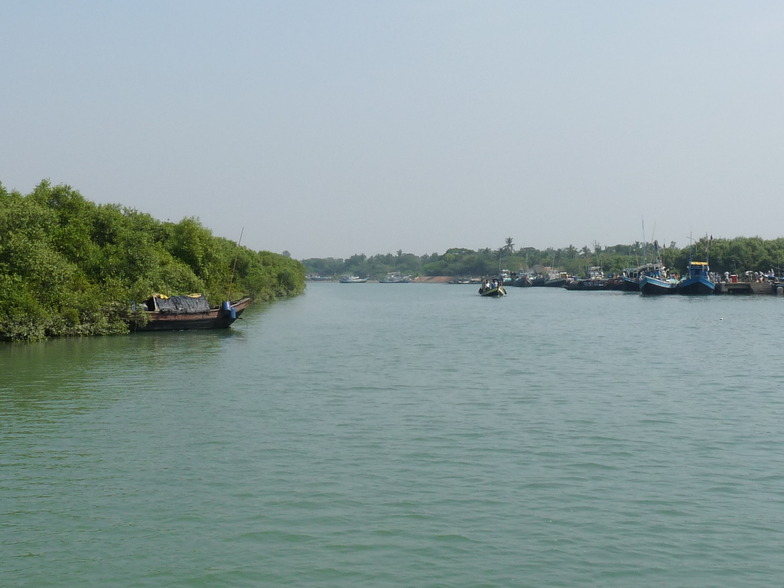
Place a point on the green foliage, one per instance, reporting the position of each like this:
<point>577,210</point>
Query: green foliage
<point>734,255</point>
<point>72,267</point>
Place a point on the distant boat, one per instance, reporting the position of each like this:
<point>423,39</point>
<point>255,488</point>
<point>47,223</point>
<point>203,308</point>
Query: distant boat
<point>395,278</point>
<point>631,279</point>
<point>521,281</point>
<point>180,313</point>
<point>594,281</point>
<point>352,280</point>
<point>653,280</point>
<point>696,282</point>
<point>587,284</point>
<point>554,280</point>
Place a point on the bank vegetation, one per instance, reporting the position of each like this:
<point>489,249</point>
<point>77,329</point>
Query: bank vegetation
<point>71,267</point>
<point>736,256</point>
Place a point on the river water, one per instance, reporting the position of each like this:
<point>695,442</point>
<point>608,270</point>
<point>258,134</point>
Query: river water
<point>387,435</point>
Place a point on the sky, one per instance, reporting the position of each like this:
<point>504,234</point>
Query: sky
<point>340,127</point>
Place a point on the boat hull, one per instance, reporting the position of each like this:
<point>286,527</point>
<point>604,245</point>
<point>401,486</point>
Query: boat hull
<point>696,287</point>
<point>493,292</point>
<point>586,285</point>
<point>554,283</point>
<point>630,285</point>
<point>697,282</point>
<point>215,318</point>
<point>651,286</point>
<point>521,282</point>
<point>353,280</point>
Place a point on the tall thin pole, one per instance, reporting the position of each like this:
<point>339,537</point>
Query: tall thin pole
<point>234,265</point>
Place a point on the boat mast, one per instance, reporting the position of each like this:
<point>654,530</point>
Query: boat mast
<point>234,264</point>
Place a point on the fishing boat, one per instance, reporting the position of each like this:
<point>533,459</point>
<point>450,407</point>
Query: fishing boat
<point>631,279</point>
<point>653,280</point>
<point>632,276</point>
<point>587,284</point>
<point>696,282</point>
<point>521,281</point>
<point>180,313</point>
<point>614,283</point>
<point>506,278</point>
<point>352,280</point>
<point>657,284</point>
<point>395,278</point>
<point>594,281</point>
<point>556,280</point>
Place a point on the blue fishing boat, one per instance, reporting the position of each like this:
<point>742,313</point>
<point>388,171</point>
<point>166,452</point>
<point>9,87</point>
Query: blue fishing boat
<point>657,285</point>
<point>653,281</point>
<point>697,281</point>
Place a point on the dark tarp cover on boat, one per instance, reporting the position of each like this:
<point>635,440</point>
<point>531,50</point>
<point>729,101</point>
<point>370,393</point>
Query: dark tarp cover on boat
<point>180,304</point>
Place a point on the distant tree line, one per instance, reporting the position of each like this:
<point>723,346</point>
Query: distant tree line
<point>72,267</point>
<point>735,256</point>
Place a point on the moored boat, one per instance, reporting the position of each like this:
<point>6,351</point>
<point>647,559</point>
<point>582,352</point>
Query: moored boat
<point>631,280</point>
<point>656,285</point>
<point>352,280</point>
<point>587,284</point>
<point>697,281</point>
<point>395,278</point>
<point>180,313</point>
<point>653,280</point>
<point>521,281</point>
<point>594,281</point>
<point>556,280</point>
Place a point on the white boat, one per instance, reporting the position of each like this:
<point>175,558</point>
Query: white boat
<point>395,278</point>
<point>352,280</point>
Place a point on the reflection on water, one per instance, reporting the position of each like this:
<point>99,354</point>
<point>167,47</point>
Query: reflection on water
<point>82,373</point>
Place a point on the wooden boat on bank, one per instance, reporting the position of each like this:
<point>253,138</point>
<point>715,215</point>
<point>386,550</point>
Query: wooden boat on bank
<point>180,313</point>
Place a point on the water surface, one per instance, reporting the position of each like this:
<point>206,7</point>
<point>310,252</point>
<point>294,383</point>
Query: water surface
<point>404,435</point>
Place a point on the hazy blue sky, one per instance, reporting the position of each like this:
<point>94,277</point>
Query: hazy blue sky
<point>328,128</point>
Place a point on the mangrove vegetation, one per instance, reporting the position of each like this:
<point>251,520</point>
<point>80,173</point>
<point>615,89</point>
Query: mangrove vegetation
<point>735,256</point>
<point>71,267</point>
